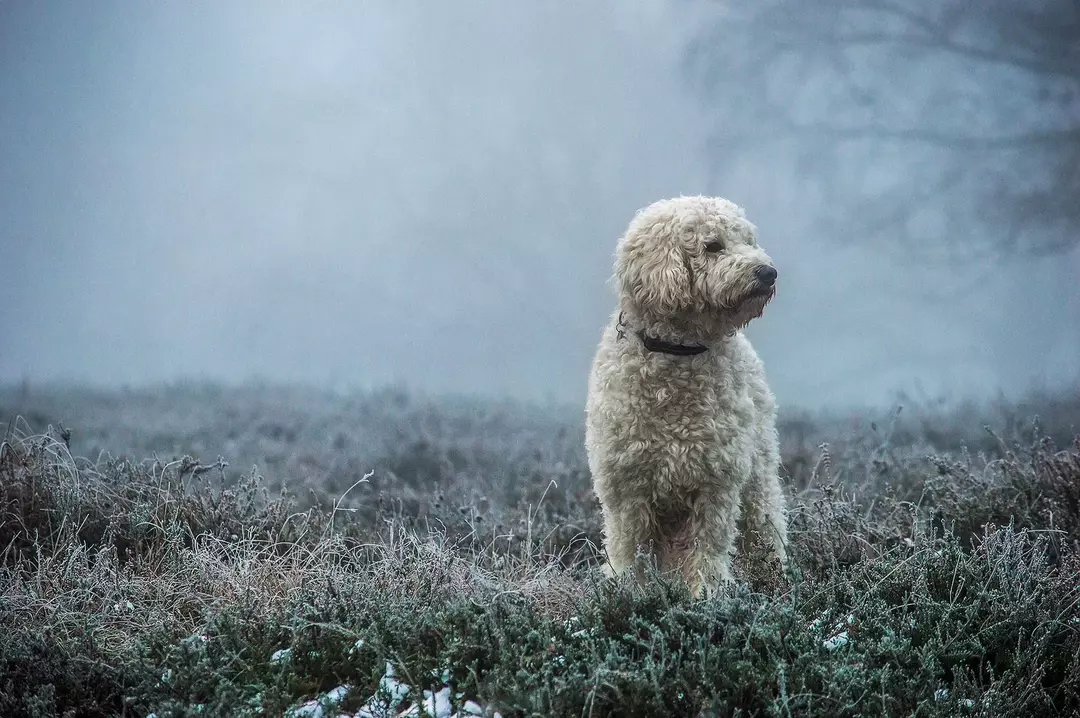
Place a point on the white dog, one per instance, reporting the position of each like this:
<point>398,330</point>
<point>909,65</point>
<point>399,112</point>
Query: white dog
<point>680,422</point>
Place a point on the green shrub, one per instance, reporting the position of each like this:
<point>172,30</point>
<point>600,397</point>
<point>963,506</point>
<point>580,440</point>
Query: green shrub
<point>927,581</point>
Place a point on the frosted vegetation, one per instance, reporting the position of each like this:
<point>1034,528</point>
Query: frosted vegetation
<point>202,550</point>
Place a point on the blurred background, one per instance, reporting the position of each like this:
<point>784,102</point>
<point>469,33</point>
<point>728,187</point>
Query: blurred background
<point>429,194</point>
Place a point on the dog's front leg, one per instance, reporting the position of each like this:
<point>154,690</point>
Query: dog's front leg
<point>764,515</point>
<point>716,519</point>
<point>627,528</point>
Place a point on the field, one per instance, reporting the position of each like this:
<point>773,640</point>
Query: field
<point>195,549</point>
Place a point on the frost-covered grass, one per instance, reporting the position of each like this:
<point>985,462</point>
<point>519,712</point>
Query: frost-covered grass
<point>440,557</point>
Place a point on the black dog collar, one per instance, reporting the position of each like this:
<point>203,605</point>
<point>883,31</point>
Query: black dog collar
<point>656,345</point>
<point>680,350</point>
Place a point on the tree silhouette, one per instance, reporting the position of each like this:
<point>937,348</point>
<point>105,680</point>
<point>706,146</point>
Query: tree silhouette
<point>951,124</point>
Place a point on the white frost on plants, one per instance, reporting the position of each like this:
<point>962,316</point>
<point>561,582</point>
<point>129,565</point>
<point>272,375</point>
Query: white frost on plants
<point>389,699</point>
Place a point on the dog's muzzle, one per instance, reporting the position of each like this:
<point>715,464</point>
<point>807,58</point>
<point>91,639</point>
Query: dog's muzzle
<point>765,275</point>
<point>764,281</point>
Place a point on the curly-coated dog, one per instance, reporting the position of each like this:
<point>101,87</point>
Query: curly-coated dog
<point>680,422</point>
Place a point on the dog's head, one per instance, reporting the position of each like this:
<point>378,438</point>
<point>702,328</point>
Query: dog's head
<point>696,259</point>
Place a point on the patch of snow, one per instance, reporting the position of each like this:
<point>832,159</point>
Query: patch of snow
<point>839,637</point>
<point>435,704</point>
<point>438,704</point>
<point>281,655</point>
<point>311,709</point>
<point>317,708</point>
<point>472,708</point>
<point>337,694</point>
<point>838,641</point>
<point>392,686</point>
<point>388,700</point>
<point>391,694</point>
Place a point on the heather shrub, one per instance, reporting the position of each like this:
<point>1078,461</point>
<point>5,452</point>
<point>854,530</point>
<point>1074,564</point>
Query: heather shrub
<point>461,547</point>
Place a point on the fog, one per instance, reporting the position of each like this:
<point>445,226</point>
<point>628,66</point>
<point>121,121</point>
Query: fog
<point>357,194</point>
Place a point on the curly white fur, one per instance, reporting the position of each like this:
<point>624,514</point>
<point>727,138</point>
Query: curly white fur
<point>683,449</point>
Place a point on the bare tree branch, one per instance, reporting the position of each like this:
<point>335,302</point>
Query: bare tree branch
<point>940,139</point>
<point>904,13</point>
<point>1037,65</point>
<point>946,140</point>
<point>1002,149</point>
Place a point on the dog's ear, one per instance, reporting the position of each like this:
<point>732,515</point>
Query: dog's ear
<point>652,270</point>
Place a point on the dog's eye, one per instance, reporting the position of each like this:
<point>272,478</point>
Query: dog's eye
<point>713,246</point>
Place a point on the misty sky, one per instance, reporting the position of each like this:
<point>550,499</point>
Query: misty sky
<point>428,193</point>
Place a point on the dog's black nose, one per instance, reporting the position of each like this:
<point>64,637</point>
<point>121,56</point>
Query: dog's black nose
<point>766,275</point>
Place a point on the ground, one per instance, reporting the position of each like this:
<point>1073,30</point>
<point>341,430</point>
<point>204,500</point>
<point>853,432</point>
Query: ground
<point>937,563</point>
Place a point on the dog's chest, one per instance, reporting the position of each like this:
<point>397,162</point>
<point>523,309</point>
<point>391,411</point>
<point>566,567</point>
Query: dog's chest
<point>690,431</point>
